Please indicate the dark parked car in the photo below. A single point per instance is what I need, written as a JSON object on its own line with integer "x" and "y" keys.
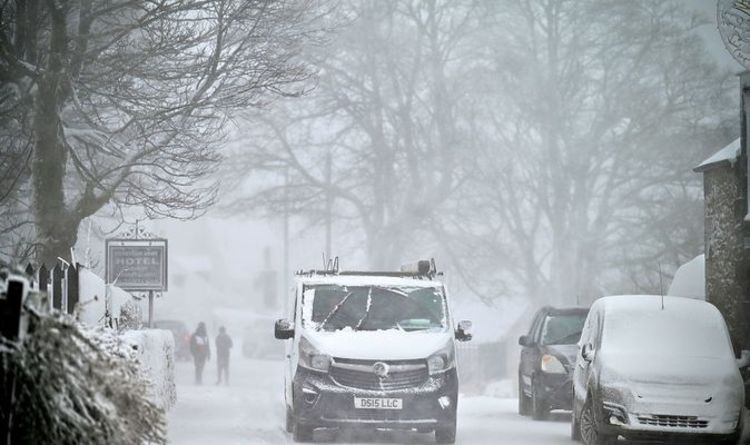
{"x": 181, "y": 336}
{"x": 548, "y": 359}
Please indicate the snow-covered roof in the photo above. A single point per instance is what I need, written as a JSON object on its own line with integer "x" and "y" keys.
{"x": 727, "y": 155}
{"x": 367, "y": 280}
{"x": 690, "y": 280}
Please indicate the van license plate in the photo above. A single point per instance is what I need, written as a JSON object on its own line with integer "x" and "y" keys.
{"x": 372, "y": 403}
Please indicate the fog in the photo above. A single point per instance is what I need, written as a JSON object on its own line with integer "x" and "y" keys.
{"x": 540, "y": 151}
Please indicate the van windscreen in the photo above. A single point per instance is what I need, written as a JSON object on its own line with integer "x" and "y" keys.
{"x": 371, "y": 308}
{"x": 667, "y": 333}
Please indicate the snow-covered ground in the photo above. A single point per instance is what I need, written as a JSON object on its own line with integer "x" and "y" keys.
{"x": 250, "y": 411}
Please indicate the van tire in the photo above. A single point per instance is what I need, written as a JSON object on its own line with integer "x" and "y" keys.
{"x": 575, "y": 427}
{"x": 302, "y": 433}
{"x": 289, "y": 425}
{"x": 591, "y": 433}
{"x": 446, "y": 435}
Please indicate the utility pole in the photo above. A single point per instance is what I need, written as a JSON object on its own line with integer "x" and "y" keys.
{"x": 285, "y": 267}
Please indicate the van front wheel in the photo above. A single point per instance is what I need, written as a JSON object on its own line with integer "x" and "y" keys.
{"x": 446, "y": 435}
{"x": 289, "y": 425}
{"x": 302, "y": 433}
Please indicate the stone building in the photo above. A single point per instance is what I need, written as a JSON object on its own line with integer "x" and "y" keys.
{"x": 725, "y": 192}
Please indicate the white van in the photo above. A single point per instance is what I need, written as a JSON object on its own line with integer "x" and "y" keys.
{"x": 656, "y": 368}
{"x": 371, "y": 350}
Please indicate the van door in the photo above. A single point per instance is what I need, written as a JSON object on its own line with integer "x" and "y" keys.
{"x": 290, "y": 346}
{"x": 582, "y": 367}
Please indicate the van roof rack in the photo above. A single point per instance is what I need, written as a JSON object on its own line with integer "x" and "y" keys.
{"x": 423, "y": 269}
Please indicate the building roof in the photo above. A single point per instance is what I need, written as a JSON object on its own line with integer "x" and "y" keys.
{"x": 726, "y": 156}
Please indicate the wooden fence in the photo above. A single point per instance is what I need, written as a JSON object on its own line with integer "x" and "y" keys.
{"x": 61, "y": 283}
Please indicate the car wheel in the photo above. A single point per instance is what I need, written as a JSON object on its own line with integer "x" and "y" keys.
{"x": 575, "y": 427}
{"x": 539, "y": 409}
{"x": 589, "y": 427}
{"x": 289, "y": 425}
{"x": 446, "y": 435}
{"x": 524, "y": 403}
{"x": 302, "y": 433}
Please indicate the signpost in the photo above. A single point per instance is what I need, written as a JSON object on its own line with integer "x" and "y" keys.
{"x": 138, "y": 265}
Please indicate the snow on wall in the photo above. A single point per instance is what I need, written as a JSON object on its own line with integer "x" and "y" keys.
{"x": 729, "y": 154}
{"x": 155, "y": 352}
{"x": 93, "y": 295}
{"x": 690, "y": 280}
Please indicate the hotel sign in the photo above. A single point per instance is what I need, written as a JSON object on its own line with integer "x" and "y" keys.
{"x": 137, "y": 264}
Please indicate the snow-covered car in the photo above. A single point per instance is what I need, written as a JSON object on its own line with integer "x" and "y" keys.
{"x": 656, "y": 368}
{"x": 371, "y": 350}
{"x": 548, "y": 357}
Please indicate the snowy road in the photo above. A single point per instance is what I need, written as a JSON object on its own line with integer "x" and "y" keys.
{"x": 250, "y": 411}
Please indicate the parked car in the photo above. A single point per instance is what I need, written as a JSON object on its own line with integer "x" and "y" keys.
{"x": 371, "y": 350}
{"x": 548, "y": 357}
{"x": 181, "y": 336}
{"x": 656, "y": 368}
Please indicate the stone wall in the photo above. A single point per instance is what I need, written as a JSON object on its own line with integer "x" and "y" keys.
{"x": 726, "y": 268}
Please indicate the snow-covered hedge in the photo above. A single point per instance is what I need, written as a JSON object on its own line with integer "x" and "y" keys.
{"x": 78, "y": 385}
{"x": 155, "y": 351}
{"x": 94, "y": 294}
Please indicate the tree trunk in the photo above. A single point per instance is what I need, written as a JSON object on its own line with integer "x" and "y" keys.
{"x": 56, "y": 232}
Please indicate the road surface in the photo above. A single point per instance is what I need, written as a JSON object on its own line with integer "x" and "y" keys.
{"x": 250, "y": 411}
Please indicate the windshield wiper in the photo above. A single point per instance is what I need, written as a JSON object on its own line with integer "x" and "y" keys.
{"x": 334, "y": 310}
{"x": 367, "y": 310}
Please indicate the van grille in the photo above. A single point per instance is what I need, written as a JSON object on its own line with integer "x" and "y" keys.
{"x": 673, "y": 421}
{"x": 360, "y": 374}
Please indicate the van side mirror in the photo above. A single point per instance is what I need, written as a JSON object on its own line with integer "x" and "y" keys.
{"x": 525, "y": 341}
{"x": 463, "y": 331}
{"x": 588, "y": 353}
{"x": 283, "y": 329}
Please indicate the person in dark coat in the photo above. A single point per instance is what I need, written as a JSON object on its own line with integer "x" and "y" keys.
{"x": 201, "y": 349}
{"x": 223, "y": 346}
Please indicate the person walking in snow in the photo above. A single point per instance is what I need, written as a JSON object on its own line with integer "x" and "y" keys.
{"x": 223, "y": 346}
{"x": 201, "y": 350}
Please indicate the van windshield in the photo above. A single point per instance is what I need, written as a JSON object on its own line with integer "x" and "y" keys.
{"x": 667, "y": 334}
{"x": 371, "y": 308}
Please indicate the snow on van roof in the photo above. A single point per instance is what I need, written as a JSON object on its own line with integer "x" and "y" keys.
{"x": 367, "y": 280}
{"x": 640, "y": 303}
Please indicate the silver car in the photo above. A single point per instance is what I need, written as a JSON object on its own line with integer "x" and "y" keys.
{"x": 656, "y": 368}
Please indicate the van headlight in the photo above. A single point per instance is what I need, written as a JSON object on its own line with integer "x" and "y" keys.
{"x": 310, "y": 358}
{"x": 552, "y": 365}
{"x": 442, "y": 360}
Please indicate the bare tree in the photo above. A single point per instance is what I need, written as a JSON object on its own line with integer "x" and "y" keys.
{"x": 122, "y": 102}
{"x": 380, "y": 136}
{"x": 583, "y": 182}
